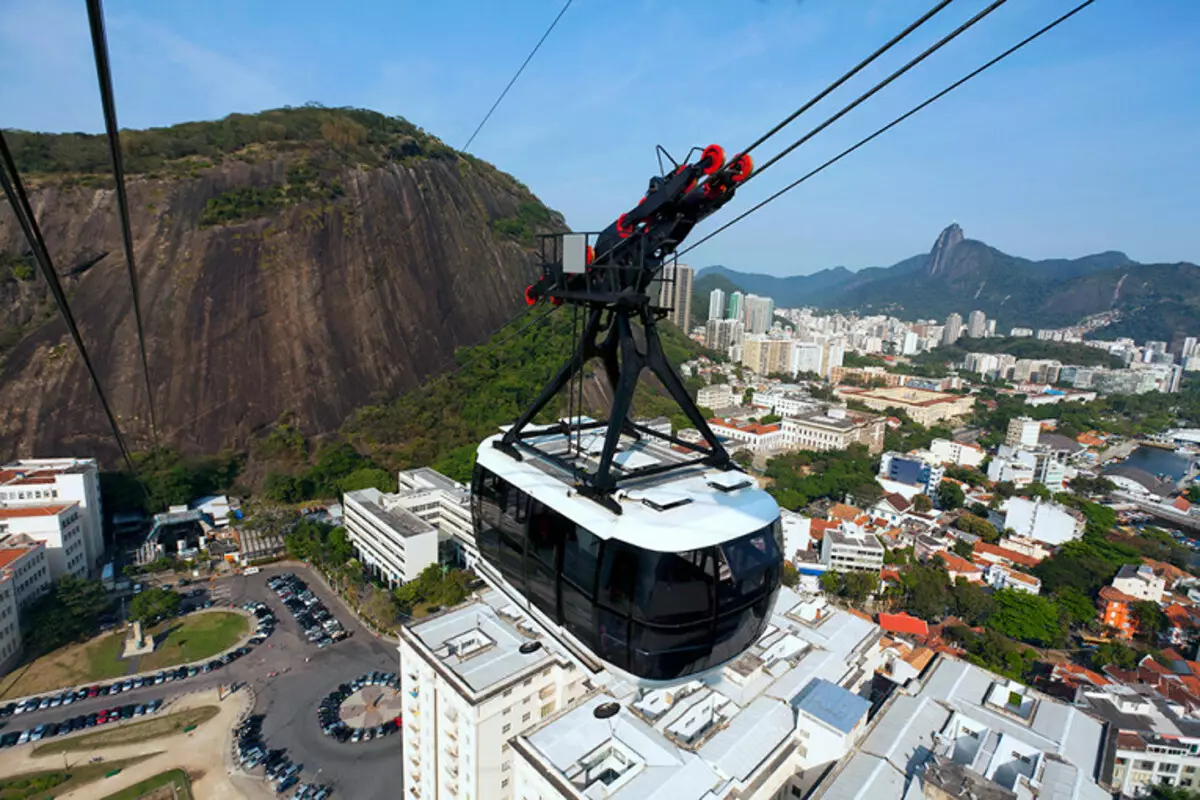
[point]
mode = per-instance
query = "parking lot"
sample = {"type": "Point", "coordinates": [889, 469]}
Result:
{"type": "Point", "coordinates": [290, 676]}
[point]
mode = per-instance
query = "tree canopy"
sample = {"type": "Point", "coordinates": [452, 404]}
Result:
{"type": "Point", "coordinates": [154, 604]}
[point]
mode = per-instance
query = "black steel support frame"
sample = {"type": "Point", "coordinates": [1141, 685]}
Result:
{"type": "Point", "coordinates": [623, 363]}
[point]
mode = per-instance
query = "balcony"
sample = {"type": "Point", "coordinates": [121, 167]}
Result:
{"type": "Point", "coordinates": [452, 735]}
{"type": "Point", "coordinates": [452, 771]}
{"type": "Point", "coordinates": [452, 751]}
{"type": "Point", "coordinates": [546, 692]}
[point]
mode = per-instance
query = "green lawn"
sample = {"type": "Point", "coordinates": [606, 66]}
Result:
{"type": "Point", "coordinates": [195, 637]}
{"type": "Point", "coordinates": [190, 638]}
{"type": "Point", "coordinates": [129, 732]}
{"type": "Point", "coordinates": [172, 777]}
{"type": "Point", "coordinates": [48, 784]}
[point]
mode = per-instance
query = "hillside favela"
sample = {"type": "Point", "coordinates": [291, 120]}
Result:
{"type": "Point", "coordinates": [567, 400]}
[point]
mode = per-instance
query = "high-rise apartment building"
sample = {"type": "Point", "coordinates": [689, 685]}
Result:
{"type": "Point", "coordinates": [737, 306]}
{"type": "Point", "coordinates": [675, 292]}
{"type": "Point", "coordinates": [953, 329]}
{"type": "Point", "coordinates": [976, 324]}
{"type": "Point", "coordinates": [767, 356]}
{"type": "Point", "coordinates": [722, 334]}
{"type": "Point", "coordinates": [716, 304]}
{"type": "Point", "coordinates": [472, 679]}
{"type": "Point", "coordinates": [760, 313]}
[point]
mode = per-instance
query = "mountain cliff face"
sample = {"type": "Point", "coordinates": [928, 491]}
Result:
{"type": "Point", "coordinates": [961, 274]}
{"type": "Point", "coordinates": [302, 265]}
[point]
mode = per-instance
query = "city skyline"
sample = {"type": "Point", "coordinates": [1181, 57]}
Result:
{"type": "Point", "coordinates": [1068, 117]}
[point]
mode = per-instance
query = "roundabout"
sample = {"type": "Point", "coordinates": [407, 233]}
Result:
{"type": "Point", "coordinates": [363, 709]}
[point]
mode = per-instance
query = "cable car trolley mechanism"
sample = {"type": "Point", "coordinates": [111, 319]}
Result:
{"type": "Point", "coordinates": [652, 554]}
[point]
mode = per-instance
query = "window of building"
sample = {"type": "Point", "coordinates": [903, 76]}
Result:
{"type": "Point", "coordinates": [507, 727]}
{"type": "Point", "coordinates": [504, 783]}
{"type": "Point", "coordinates": [525, 717]}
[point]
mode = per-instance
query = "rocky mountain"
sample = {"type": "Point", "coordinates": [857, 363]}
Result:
{"type": "Point", "coordinates": [300, 262]}
{"type": "Point", "coordinates": [961, 274]}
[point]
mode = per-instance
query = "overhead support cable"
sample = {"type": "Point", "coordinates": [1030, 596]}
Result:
{"type": "Point", "coordinates": [933, 48]}
{"type": "Point", "coordinates": [524, 64]}
{"type": "Point", "coordinates": [928, 102]}
{"type": "Point", "coordinates": [848, 75]}
{"type": "Point", "coordinates": [14, 190]}
{"type": "Point", "coordinates": [104, 76]}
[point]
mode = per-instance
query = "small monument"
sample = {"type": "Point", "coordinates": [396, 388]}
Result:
{"type": "Point", "coordinates": [137, 643]}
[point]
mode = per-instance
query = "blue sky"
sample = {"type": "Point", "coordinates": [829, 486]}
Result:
{"type": "Point", "coordinates": [1088, 140]}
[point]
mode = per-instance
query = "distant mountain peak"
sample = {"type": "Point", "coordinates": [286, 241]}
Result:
{"type": "Point", "coordinates": [947, 240]}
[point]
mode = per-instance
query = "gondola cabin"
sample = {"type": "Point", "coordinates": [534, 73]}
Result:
{"type": "Point", "coordinates": [680, 581]}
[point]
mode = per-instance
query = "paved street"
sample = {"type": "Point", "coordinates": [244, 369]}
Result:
{"type": "Point", "coordinates": [290, 699]}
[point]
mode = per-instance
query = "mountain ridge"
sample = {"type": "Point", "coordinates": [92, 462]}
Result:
{"type": "Point", "coordinates": [962, 274]}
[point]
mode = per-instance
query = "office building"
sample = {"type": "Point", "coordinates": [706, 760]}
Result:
{"type": "Point", "coordinates": [760, 313]}
{"type": "Point", "coordinates": [953, 329]}
{"type": "Point", "coordinates": [32, 482]}
{"type": "Point", "coordinates": [391, 541]}
{"type": "Point", "coordinates": [716, 304]}
{"type": "Point", "coordinates": [472, 678]}
{"type": "Point", "coordinates": [737, 307]}
{"type": "Point", "coordinates": [446, 505]}
{"type": "Point", "coordinates": [761, 728]}
{"type": "Point", "coordinates": [977, 324]}
{"type": "Point", "coordinates": [24, 577]}
{"type": "Point", "coordinates": [834, 428]}
{"type": "Point", "coordinates": [750, 435]}
{"type": "Point", "coordinates": [848, 548]}
{"type": "Point", "coordinates": [675, 293]}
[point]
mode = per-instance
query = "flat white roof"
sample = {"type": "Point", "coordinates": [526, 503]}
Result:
{"type": "Point", "coordinates": [712, 516]}
{"type": "Point", "coordinates": [709, 734]}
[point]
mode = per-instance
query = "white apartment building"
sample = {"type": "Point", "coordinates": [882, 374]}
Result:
{"type": "Point", "coordinates": [844, 550]}
{"type": "Point", "coordinates": [761, 728]}
{"type": "Point", "coordinates": [1139, 580]}
{"type": "Point", "coordinates": [59, 527]}
{"type": "Point", "coordinates": [834, 428]}
{"type": "Point", "coordinates": [718, 395]}
{"type": "Point", "coordinates": [24, 577]}
{"type": "Point", "coordinates": [1157, 740]}
{"type": "Point", "coordinates": [1002, 576]}
{"type": "Point", "coordinates": [949, 451]}
{"type": "Point", "coordinates": [1047, 522]}
{"type": "Point", "coordinates": [961, 732]}
{"type": "Point", "coordinates": [390, 540]}
{"type": "Point", "coordinates": [723, 334]}
{"type": "Point", "coordinates": [806, 357]}
{"type": "Point", "coordinates": [1023, 432]}
{"type": "Point", "coordinates": [716, 304]}
{"type": "Point", "coordinates": [786, 402]}
{"type": "Point", "coordinates": [48, 481]}
{"type": "Point", "coordinates": [472, 679]}
{"type": "Point", "coordinates": [760, 313]}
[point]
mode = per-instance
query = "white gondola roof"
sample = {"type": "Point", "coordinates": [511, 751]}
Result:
{"type": "Point", "coordinates": [680, 510]}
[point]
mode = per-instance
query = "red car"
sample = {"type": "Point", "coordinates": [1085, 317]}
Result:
{"type": "Point", "coordinates": [93, 691]}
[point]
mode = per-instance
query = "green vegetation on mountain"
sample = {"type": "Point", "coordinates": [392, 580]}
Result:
{"type": "Point", "coordinates": [354, 136]}
{"type": "Point", "coordinates": [442, 423]}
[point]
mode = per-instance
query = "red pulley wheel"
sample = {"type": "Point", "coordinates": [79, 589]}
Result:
{"type": "Point", "coordinates": [529, 298]}
{"type": "Point", "coordinates": [716, 158]}
{"type": "Point", "coordinates": [591, 254]}
{"type": "Point", "coordinates": [741, 168]}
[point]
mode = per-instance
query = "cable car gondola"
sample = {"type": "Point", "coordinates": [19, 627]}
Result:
{"type": "Point", "coordinates": [654, 555]}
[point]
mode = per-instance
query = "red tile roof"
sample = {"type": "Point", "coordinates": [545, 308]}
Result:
{"type": "Point", "coordinates": [1005, 554]}
{"type": "Point", "coordinates": [34, 511]}
{"type": "Point", "coordinates": [1181, 503]}
{"type": "Point", "coordinates": [897, 501]}
{"type": "Point", "coordinates": [10, 554]}
{"type": "Point", "coordinates": [956, 563]}
{"type": "Point", "coordinates": [818, 527]}
{"type": "Point", "coordinates": [843, 512]}
{"type": "Point", "coordinates": [1116, 595]}
{"type": "Point", "coordinates": [903, 623]}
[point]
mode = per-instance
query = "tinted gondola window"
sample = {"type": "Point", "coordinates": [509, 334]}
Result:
{"type": "Point", "coordinates": [747, 567]}
{"type": "Point", "coordinates": [618, 576]}
{"type": "Point", "coordinates": [487, 489]}
{"type": "Point", "coordinates": [581, 556]}
{"type": "Point", "coordinates": [675, 588]}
